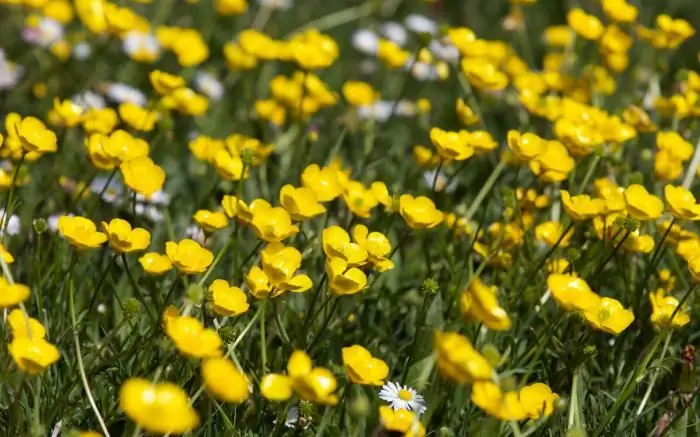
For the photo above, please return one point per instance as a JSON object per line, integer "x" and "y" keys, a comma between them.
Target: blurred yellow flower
{"x": 662, "y": 308}
{"x": 157, "y": 407}
{"x": 155, "y": 263}
{"x": 314, "y": 384}
{"x": 192, "y": 338}
{"x": 402, "y": 422}
{"x": 572, "y": 293}
{"x": 458, "y": 360}
{"x": 609, "y": 316}
{"x": 642, "y": 205}
{"x": 480, "y": 302}
{"x": 227, "y": 300}
{"x": 225, "y": 381}
{"x": 362, "y": 368}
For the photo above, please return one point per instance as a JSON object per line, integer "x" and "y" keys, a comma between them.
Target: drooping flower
{"x": 480, "y": 302}
{"x": 609, "y": 315}
{"x": 571, "y": 292}
{"x": 642, "y": 205}
{"x": 682, "y": 203}
{"x": 12, "y": 294}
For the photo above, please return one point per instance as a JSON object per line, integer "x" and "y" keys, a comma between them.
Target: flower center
{"x": 405, "y": 395}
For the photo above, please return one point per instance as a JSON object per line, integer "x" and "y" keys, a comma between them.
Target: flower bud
{"x": 132, "y": 307}
{"x": 430, "y": 286}
{"x": 359, "y": 406}
{"x": 491, "y": 353}
{"x": 40, "y": 226}
{"x": 195, "y": 293}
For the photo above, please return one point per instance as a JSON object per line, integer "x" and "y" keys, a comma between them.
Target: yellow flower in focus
{"x": 188, "y": 256}
{"x": 279, "y": 265}
{"x": 314, "y": 384}
{"x": 336, "y": 244}
{"x": 157, "y": 407}
{"x": 376, "y": 245}
{"x": 662, "y": 308}
{"x": 642, "y": 205}
{"x": 419, "y": 212}
{"x": 100, "y": 120}
{"x": 401, "y": 422}
{"x": 527, "y": 146}
{"x": 585, "y": 25}
{"x": 538, "y": 400}
{"x": 155, "y": 263}
{"x": 681, "y": 203}
{"x": 231, "y": 7}
{"x": 483, "y": 74}
{"x": 581, "y": 207}
{"x": 580, "y": 139}
{"x": 138, "y": 118}
{"x": 272, "y": 224}
{"x": 359, "y": 93}
{"x": 32, "y": 355}
{"x": 465, "y": 113}
{"x": 458, "y": 360}
{"x": 12, "y": 294}
{"x": 451, "y": 145}
{"x": 362, "y": 368}
{"x": 571, "y": 292}
{"x": 325, "y": 182}
{"x": 143, "y": 176}
{"x": 359, "y": 199}
{"x": 225, "y": 381}
{"x": 551, "y": 232}
{"x": 609, "y": 316}
{"x": 675, "y": 144}
{"x": 227, "y": 300}
{"x": 21, "y": 325}
{"x": 344, "y": 280}
{"x": 237, "y": 208}
{"x": 210, "y": 221}
{"x": 165, "y": 83}
{"x": 109, "y": 151}
{"x": 192, "y": 338}
{"x": 33, "y": 135}
{"x": 123, "y": 238}
{"x": 66, "y": 113}
{"x": 480, "y": 302}
{"x": 80, "y": 232}
{"x": 301, "y": 203}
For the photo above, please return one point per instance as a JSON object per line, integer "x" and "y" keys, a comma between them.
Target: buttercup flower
{"x": 189, "y": 256}
{"x": 314, "y": 384}
{"x": 581, "y": 207}
{"x": 21, "y": 325}
{"x": 336, "y": 244}
{"x": 34, "y": 136}
{"x": 504, "y": 406}
{"x": 155, "y": 263}
{"x": 227, "y": 300}
{"x": 458, "y": 360}
{"x": 451, "y": 145}
{"x": 210, "y": 221}
{"x": 157, "y": 407}
{"x": 138, "y": 118}
{"x": 301, "y": 203}
{"x": 143, "y": 176}
{"x": 585, "y": 25}
{"x": 192, "y": 338}
{"x": 362, "y": 368}
{"x": 359, "y": 199}
{"x": 224, "y": 380}
{"x": 538, "y": 400}
{"x": 681, "y": 202}
{"x": 345, "y": 280}
{"x": 377, "y": 246}
{"x": 572, "y": 293}
{"x": 272, "y": 224}
{"x": 662, "y": 308}
{"x": 480, "y": 302}
{"x": 554, "y": 165}
{"x": 642, "y": 205}
{"x": 12, "y": 294}
{"x": 608, "y": 315}
{"x": 32, "y": 355}
{"x": 80, "y": 232}
{"x": 551, "y": 232}
{"x": 404, "y": 422}
{"x": 419, "y": 212}
{"x": 123, "y": 238}
{"x": 324, "y": 182}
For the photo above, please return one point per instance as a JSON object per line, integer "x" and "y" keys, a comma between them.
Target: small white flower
{"x": 89, "y": 100}
{"x": 10, "y": 73}
{"x": 195, "y": 233}
{"x": 82, "y": 51}
{"x": 158, "y": 198}
{"x": 110, "y": 193}
{"x": 365, "y": 41}
{"x": 421, "y": 24}
{"x": 292, "y": 417}
{"x": 13, "y": 224}
{"x": 124, "y": 93}
{"x": 402, "y": 397}
{"x": 209, "y": 85}
{"x": 141, "y": 43}
{"x": 444, "y": 50}
{"x": 381, "y": 111}
{"x": 46, "y": 32}
{"x": 441, "y": 184}
{"x": 276, "y": 4}
{"x": 395, "y": 32}
{"x": 423, "y": 72}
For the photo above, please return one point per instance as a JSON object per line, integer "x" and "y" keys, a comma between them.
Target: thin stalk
{"x": 485, "y": 190}
{"x": 263, "y": 342}
{"x": 647, "y": 394}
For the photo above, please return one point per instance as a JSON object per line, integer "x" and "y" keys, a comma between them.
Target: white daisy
{"x": 44, "y": 33}
{"x": 209, "y": 85}
{"x": 395, "y": 32}
{"x": 365, "y": 41}
{"x": 10, "y": 73}
{"x": 121, "y": 93}
{"x": 292, "y": 417}
{"x": 402, "y": 397}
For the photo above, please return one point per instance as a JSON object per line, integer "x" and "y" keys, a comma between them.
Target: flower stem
{"x": 263, "y": 342}
{"x": 647, "y": 394}
{"x": 485, "y": 190}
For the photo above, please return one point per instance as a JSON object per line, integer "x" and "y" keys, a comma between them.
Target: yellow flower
{"x": 419, "y": 212}
{"x": 80, "y": 232}
{"x": 663, "y": 306}
{"x": 138, "y": 118}
{"x": 66, "y": 113}
{"x": 188, "y": 256}
{"x": 155, "y": 263}
{"x": 362, "y": 368}
{"x": 231, "y": 7}
{"x": 32, "y": 355}
{"x": 675, "y": 30}
{"x": 666, "y": 166}
{"x": 157, "y": 407}
{"x": 109, "y": 151}
{"x": 210, "y": 221}
{"x": 481, "y": 141}
{"x": 359, "y": 199}
{"x": 526, "y": 146}
{"x": 123, "y": 238}
{"x": 324, "y": 182}
{"x": 236, "y": 208}
{"x": 143, "y": 176}
{"x": 401, "y": 422}
{"x": 12, "y": 294}
{"x": 237, "y": 58}
{"x": 638, "y": 118}
{"x": 458, "y": 360}
{"x": 34, "y": 136}
{"x": 21, "y": 325}
{"x": 609, "y": 316}
{"x": 558, "y": 36}
{"x": 550, "y": 232}
{"x": 314, "y": 384}
{"x": 571, "y": 292}
{"x": 538, "y": 400}
{"x": 579, "y": 138}
{"x": 187, "y": 102}
{"x": 504, "y": 406}
{"x": 391, "y": 54}
{"x": 635, "y": 242}
{"x": 230, "y": 167}
{"x": 192, "y": 338}
{"x": 359, "y": 93}
{"x": 376, "y": 245}
{"x": 581, "y": 207}
{"x": 225, "y": 381}
{"x": 227, "y": 300}
{"x": 642, "y": 205}
{"x": 205, "y": 148}
{"x": 480, "y": 302}
{"x": 301, "y": 203}
{"x": 165, "y": 83}
{"x": 451, "y": 145}
{"x": 312, "y": 50}
{"x": 100, "y": 120}
{"x": 425, "y": 157}
{"x": 554, "y": 165}
{"x": 681, "y": 203}
{"x": 336, "y": 244}
{"x": 585, "y": 25}
{"x": 620, "y": 10}
{"x": 272, "y": 224}
{"x": 484, "y": 74}
{"x": 343, "y": 279}
{"x": 611, "y": 193}
{"x": 279, "y": 264}
{"x": 465, "y": 113}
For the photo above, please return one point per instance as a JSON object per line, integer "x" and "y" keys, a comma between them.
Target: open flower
{"x": 325, "y": 182}
{"x": 155, "y": 263}
{"x": 538, "y": 400}
{"x": 489, "y": 397}
{"x": 314, "y": 384}
{"x": 12, "y": 294}
{"x": 189, "y": 256}
{"x": 80, "y": 232}
{"x": 143, "y": 176}
{"x": 551, "y": 232}
{"x": 458, "y": 360}
{"x": 272, "y": 224}
{"x": 192, "y": 338}
{"x": 345, "y": 280}
{"x": 419, "y": 212}
{"x": 608, "y": 315}
{"x": 581, "y": 207}
{"x": 359, "y": 199}
{"x": 681, "y": 202}
{"x": 572, "y": 293}
{"x": 210, "y": 221}
{"x": 451, "y": 145}
{"x": 227, "y": 300}
{"x": 480, "y": 302}
{"x": 662, "y": 308}
{"x": 362, "y": 368}
{"x": 403, "y": 422}
{"x": 21, "y": 325}
{"x": 377, "y": 246}
{"x": 554, "y": 165}
{"x": 32, "y": 355}
{"x": 278, "y": 274}
{"x": 123, "y": 238}
{"x": 157, "y": 407}
{"x": 642, "y": 205}
{"x": 301, "y": 203}
{"x": 526, "y": 146}
{"x": 34, "y": 136}
{"x": 336, "y": 244}
{"x": 225, "y": 381}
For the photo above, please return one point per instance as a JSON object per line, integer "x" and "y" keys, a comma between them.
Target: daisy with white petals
{"x": 402, "y": 397}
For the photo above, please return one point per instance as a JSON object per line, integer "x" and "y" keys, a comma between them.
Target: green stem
{"x": 139, "y": 294}
{"x": 263, "y": 340}
{"x": 485, "y": 190}
{"x": 589, "y": 173}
